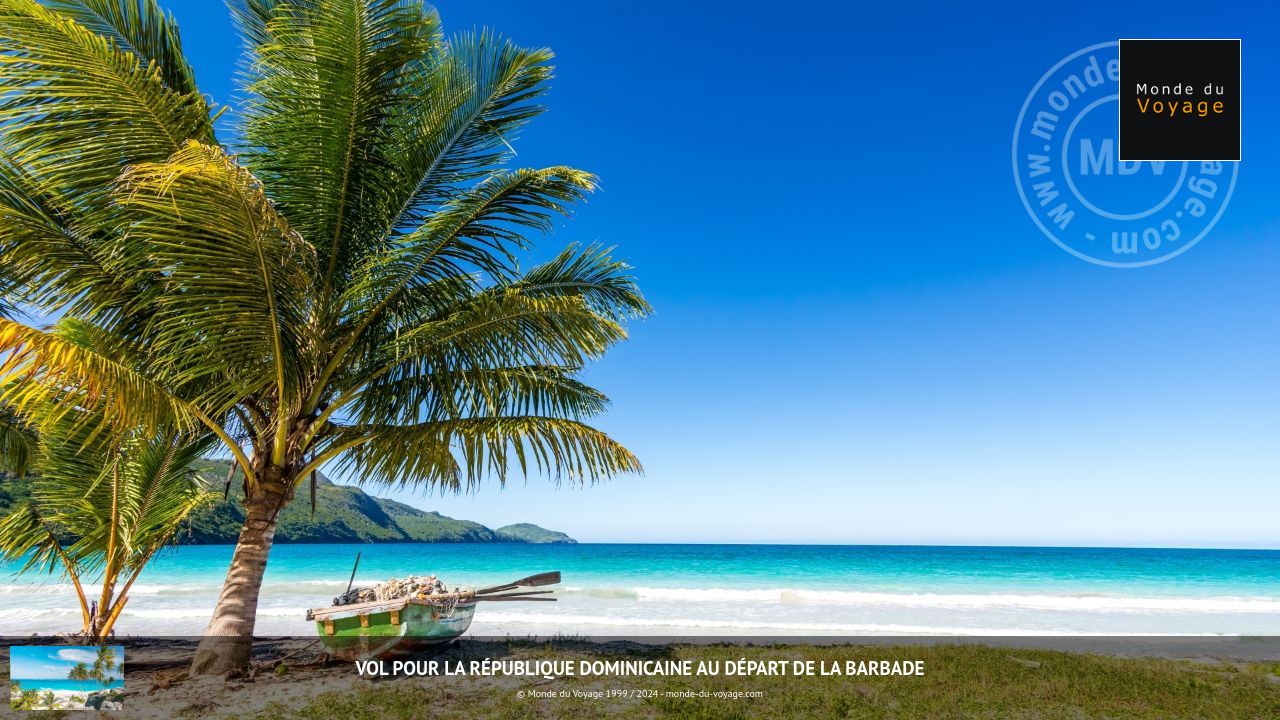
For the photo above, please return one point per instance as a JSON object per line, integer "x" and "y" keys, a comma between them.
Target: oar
{"x": 547, "y": 578}
{"x": 514, "y": 598}
{"x": 515, "y": 594}
{"x": 353, "y": 572}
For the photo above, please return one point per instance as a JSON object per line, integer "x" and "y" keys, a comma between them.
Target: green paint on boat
{"x": 419, "y": 625}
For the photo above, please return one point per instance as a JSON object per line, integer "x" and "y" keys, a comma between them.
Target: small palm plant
{"x": 341, "y": 284}
{"x": 103, "y": 506}
{"x": 20, "y": 699}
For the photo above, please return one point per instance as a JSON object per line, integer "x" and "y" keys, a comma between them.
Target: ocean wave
{"x": 34, "y": 613}
{"x": 608, "y": 593}
{"x": 91, "y": 589}
{"x": 170, "y": 613}
{"x": 1081, "y": 602}
{"x": 544, "y": 623}
{"x": 181, "y": 613}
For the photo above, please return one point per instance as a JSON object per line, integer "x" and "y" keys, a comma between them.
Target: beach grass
{"x": 961, "y": 681}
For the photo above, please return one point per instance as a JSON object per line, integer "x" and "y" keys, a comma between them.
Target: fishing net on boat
{"x": 413, "y": 586}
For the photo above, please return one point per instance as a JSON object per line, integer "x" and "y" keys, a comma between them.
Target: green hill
{"x": 343, "y": 514}
{"x": 530, "y": 533}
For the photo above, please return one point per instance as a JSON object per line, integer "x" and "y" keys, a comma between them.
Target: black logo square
{"x": 1179, "y": 100}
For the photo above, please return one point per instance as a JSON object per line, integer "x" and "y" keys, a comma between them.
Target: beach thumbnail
{"x": 66, "y": 677}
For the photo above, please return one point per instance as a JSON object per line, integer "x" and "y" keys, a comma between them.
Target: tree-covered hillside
{"x": 342, "y": 514}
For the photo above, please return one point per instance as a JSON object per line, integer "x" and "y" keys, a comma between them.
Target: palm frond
{"x": 456, "y": 454}
{"x": 27, "y": 538}
{"x": 494, "y": 329}
{"x": 75, "y": 108}
{"x": 476, "y": 231}
{"x": 324, "y": 80}
{"x": 140, "y": 27}
{"x": 17, "y": 442}
{"x": 473, "y": 102}
{"x": 45, "y": 258}
{"x": 251, "y": 18}
{"x": 486, "y": 392}
{"x": 51, "y": 374}
{"x": 592, "y": 274}
{"x": 205, "y": 223}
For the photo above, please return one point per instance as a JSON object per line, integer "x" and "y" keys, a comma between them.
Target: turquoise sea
{"x": 728, "y": 589}
{"x": 75, "y": 686}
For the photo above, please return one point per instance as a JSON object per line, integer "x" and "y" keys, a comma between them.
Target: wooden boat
{"x": 404, "y": 626}
{"x": 393, "y": 628}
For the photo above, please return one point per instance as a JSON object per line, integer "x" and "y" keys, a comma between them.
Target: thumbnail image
{"x": 66, "y": 677}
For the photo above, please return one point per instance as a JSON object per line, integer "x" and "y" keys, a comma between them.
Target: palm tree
{"x": 104, "y": 664}
{"x": 79, "y": 671}
{"x": 25, "y": 700}
{"x": 104, "y": 505}
{"x": 342, "y": 285}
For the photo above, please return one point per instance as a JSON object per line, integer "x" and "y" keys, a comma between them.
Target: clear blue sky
{"x": 51, "y": 662}
{"x": 860, "y": 334}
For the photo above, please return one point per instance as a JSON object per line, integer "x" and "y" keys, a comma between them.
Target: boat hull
{"x": 392, "y": 629}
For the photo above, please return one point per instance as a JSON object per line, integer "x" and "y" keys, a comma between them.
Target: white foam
{"x": 545, "y": 624}
{"x": 171, "y": 613}
{"x": 1087, "y": 603}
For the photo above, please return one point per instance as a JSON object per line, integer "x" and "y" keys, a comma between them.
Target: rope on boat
{"x": 447, "y": 605}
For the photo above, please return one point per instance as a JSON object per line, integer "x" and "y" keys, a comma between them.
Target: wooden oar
{"x": 516, "y": 594}
{"x": 514, "y": 598}
{"x": 353, "y": 572}
{"x": 547, "y": 578}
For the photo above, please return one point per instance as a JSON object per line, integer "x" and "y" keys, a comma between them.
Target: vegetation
{"x": 102, "y": 506}
{"x": 20, "y": 699}
{"x": 79, "y": 671}
{"x": 960, "y": 681}
{"x": 105, "y": 667}
{"x": 342, "y": 285}
{"x": 342, "y": 514}
{"x": 530, "y": 533}
{"x": 17, "y": 442}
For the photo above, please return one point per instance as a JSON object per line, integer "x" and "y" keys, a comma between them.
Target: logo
{"x": 1069, "y": 175}
{"x": 1180, "y": 100}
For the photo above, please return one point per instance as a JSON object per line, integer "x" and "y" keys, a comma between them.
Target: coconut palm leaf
{"x": 324, "y": 87}
{"x": 30, "y": 540}
{"x": 53, "y": 374}
{"x": 457, "y": 454}
{"x": 204, "y": 223}
{"x": 496, "y": 84}
{"x": 75, "y": 107}
{"x": 17, "y": 442}
{"x": 140, "y": 27}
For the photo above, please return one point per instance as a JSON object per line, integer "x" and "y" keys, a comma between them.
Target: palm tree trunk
{"x": 229, "y": 637}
